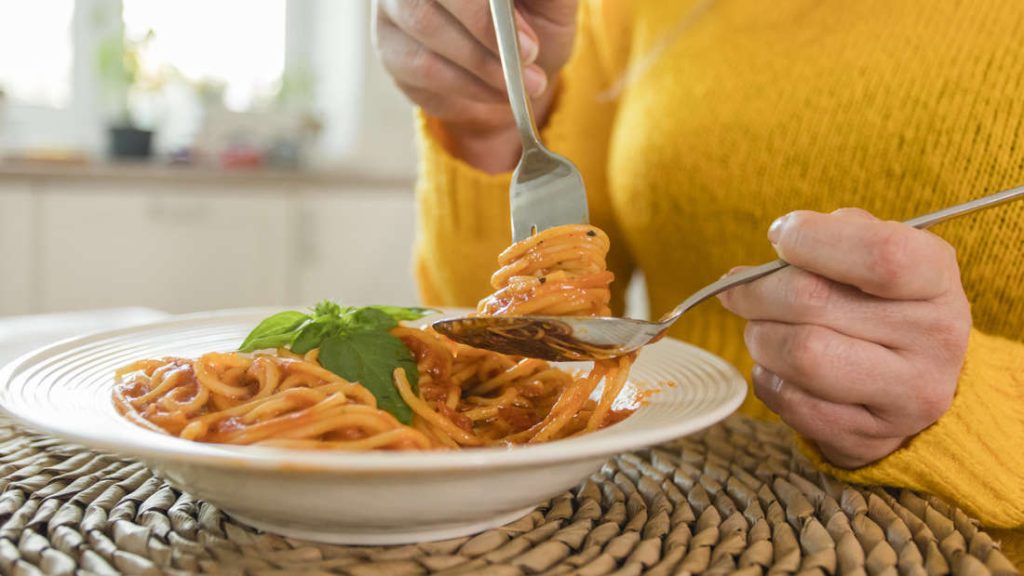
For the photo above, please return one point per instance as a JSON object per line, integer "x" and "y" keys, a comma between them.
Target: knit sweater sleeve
{"x": 463, "y": 213}
{"x": 973, "y": 455}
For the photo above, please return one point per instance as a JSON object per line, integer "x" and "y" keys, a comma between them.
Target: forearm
{"x": 460, "y": 231}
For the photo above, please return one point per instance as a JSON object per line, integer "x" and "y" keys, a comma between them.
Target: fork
{"x": 547, "y": 189}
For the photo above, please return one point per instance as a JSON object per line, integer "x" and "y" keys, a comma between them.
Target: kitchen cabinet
{"x": 17, "y": 248}
{"x": 201, "y": 243}
{"x": 355, "y": 246}
{"x": 162, "y": 247}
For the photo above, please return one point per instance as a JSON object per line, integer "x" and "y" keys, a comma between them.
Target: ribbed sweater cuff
{"x": 456, "y": 197}
{"x": 973, "y": 455}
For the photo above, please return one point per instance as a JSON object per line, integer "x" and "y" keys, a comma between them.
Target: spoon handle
{"x": 503, "y": 14}
{"x": 966, "y": 208}
{"x": 757, "y": 272}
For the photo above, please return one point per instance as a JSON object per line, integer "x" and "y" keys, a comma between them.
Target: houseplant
{"x": 117, "y": 61}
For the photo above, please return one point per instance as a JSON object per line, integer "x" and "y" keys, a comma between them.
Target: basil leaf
{"x": 313, "y": 335}
{"x": 369, "y": 319}
{"x": 402, "y": 313}
{"x": 328, "y": 308}
{"x": 274, "y": 331}
{"x": 369, "y": 358}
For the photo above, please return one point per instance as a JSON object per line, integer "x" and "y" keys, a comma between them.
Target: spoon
{"x": 599, "y": 337}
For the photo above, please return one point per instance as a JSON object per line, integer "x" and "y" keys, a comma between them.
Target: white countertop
{"x": 21, "y": 334}
{"x": 156, "y": 170}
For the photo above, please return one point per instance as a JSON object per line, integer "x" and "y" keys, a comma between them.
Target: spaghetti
{"x": 466, "y": 397}
{"x": 561, "y": 271}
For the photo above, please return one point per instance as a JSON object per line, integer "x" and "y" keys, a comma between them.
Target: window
{"x": 35, "y": 51}
{"x": 200, "y": 67}
{"x": 237, "y": 45}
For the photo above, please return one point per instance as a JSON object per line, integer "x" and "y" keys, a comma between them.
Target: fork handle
{"x": 757, "y": 272}
{"x": 503, "y": 13}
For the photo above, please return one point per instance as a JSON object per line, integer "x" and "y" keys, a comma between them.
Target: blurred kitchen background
{"x": 198, "y": 154}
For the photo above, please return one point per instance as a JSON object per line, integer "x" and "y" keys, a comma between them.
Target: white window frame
{"x": 78, "y": 124}
{"x": 81, "y": 124}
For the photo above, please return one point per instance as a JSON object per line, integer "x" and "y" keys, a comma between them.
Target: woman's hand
{"x": 859, "y": 344}
{"x": 443, "y": 54}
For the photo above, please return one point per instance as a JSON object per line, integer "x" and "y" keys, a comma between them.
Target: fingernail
{"x": 536, "y": 80}
{"x": 527, "y": 48}
{"x": 760, "y": 373}
{"x": 757, "y": 372}
{"x": 775, "y": 230}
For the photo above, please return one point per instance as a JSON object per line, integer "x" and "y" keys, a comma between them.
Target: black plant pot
{"x": 128, "y": 142}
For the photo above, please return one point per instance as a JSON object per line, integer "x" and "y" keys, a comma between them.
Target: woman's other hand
{"x": 859, "y": 344}
{"x": 444, "y": 56}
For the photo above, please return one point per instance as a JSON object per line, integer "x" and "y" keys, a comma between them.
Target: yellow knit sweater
{"x": 695, "y": 128}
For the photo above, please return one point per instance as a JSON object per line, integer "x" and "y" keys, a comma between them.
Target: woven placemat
{"x": 735, "y": 499}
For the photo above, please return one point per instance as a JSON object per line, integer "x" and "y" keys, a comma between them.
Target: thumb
{"x": 554, "y": 23}
{"x": 549, "y": 13}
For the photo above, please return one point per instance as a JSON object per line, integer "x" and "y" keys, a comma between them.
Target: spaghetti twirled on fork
{"x": 466, "y": 396}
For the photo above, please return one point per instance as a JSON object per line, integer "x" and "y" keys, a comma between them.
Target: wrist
{"x": 492, "y": 149}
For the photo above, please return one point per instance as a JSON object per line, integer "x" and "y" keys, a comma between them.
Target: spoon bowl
{"x": 554, "y": 338}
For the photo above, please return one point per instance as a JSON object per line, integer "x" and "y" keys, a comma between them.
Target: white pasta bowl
{"x": 350, "y": 498}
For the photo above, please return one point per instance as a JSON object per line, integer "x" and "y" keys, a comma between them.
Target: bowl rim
{"x": 154, "y": 447}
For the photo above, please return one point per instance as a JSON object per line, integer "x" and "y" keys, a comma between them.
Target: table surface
{"x": 736, "y": 498}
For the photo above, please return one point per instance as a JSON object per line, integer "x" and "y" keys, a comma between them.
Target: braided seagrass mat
{"x": 735, "y": 499}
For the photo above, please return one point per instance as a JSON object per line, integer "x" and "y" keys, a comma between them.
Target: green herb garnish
{"x": 370, "y": 357}
{"x": 355, "y": 343}
{"x": 275, "y": 331}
